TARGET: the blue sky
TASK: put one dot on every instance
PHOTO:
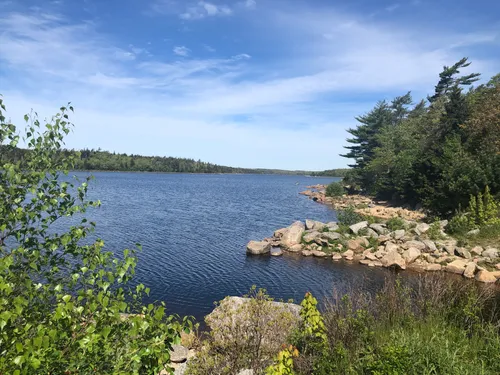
(250, 83)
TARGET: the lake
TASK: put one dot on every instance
(194, 230)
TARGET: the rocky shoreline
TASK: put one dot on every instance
(375, 245)
(362, 204)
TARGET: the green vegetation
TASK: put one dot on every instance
(335, 189)
(439, 326)
(435, 153)
(63, 299)
(348, 216)
(340, 172)
(395, 223)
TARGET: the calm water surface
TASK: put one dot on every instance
(194, 229)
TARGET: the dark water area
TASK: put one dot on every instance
(194, 230)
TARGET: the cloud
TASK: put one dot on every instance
(326, 67)
(250, 4)
(181, 51)
(205, 9)
(209, 48)
(392, 7)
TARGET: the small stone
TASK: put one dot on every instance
(380, 253)
(416, 244)
(178, 354)
(485, 277)
(422, 228)
(355, 228)
(470, 270)
(319, 254)
(389, 247)
(365, 261)
(393, 258)
(375, 263)
(472, 233)
(306, 253)
(277, 253)
(336, 256)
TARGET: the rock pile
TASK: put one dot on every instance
(375, 245)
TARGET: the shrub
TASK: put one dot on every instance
(434, 232)
(349, 216)
(459, 224)
(395, 223)
(243, 336)
(483, 209)
(335, 189)
(62, 298)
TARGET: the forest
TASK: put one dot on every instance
(435, 153)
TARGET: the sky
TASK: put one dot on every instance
(247, 83)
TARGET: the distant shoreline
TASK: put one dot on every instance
(204, 173)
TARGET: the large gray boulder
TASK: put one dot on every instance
(332, 226)
(293, 235)
(311, 236)
(422, 228)
(331, 236)
(355, 228)
(309, 224)
(258, 247)
(178, 354)
(379, 228)
(490, 253)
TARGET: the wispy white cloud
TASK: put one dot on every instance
(197, 10)
(299, 103)
(392, 7)
(181, 51)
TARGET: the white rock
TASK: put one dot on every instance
(258, 247)
(355, 228)
(411, 254)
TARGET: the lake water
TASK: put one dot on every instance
(194, 230)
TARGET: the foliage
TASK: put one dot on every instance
(395, 223)
(284, 362)
(437, 326)
(484, 210)
(312, 326)
(435, 232)
(339, 172)
(433, 154)
(348, 216)
(62, 297)
(335, 189)
(243, 336)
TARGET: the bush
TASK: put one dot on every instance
(349, 216)
(459, 224)
(62, 298)
(246, 336)
(395, 223)
(335, 189)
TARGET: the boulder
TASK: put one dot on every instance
(349, 254)
(311, 236)
(389, 247)
(472, 233)
(416, 244)
(331, 236)
(280, 232)
(309, 224)
(293, 235)
(179, 354)
(375, 263)
(411, 254)
(457, 266)
(258, 247)
(181, 370)
(433, 267)
(365, 261)
(319, 254)
(398, 234)
(393, 259)
(490, 253)
(379, 228)
(470, 270)
(336, 256)
(443, 224)
(485, 277)
(380, 254)
(358, 244)
(422, 228)
(462, 252)
(318, 225)
(430, 245)
(371, 233)
(332, 226)
(295, 248)
(306, 253)
(478, 250)
(355, 228)
(369, 255)
(382, 239)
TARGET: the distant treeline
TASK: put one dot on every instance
(340, 172)
(98, 160)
